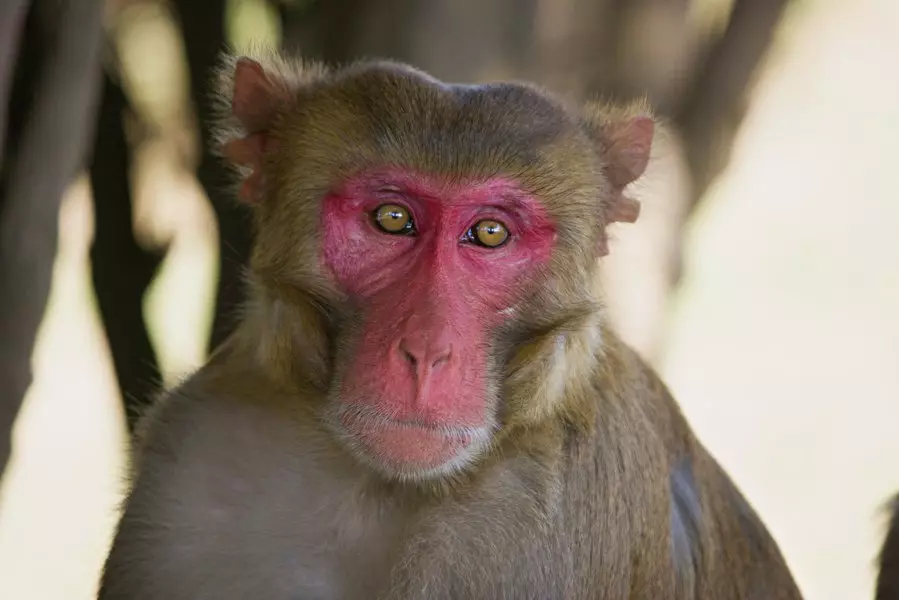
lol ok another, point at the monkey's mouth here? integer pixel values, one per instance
(409, 448)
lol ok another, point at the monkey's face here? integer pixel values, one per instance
(433, 267)
(452, 232)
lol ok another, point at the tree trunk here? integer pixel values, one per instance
(711, 111)
(12, 15)
(454, 41)
(53, 109)
(204, 38)
(121, 269)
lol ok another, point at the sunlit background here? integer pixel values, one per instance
(780, 339)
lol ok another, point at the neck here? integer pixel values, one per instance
(549, 376)
(287, 336)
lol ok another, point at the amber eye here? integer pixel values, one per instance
(490, 234)
(393, 218)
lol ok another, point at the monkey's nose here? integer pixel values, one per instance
(421, 353)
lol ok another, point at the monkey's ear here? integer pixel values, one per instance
(623, 135)
(256, 99)
(252, 94)
(257, 96)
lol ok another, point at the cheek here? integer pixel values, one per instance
(352, 250)
(499, 278)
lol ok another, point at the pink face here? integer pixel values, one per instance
(416, 395)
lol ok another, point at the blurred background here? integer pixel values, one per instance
(762, 279)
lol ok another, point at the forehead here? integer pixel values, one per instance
(399, 117)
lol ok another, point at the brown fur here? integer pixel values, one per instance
(594, 486)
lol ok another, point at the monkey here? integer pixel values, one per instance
(424, 398)
(887, 584)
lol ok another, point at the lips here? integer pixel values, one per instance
(406, 447)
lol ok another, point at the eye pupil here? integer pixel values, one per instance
(393, 218)
(490, 234)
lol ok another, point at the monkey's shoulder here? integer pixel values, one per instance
(631, 403)
(259, 504)
(716, 539)
(236, 428)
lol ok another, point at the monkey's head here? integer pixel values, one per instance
(427, 252)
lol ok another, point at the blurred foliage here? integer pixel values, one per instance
(255, 23)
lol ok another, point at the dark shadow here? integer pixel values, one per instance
(121, 269)
(203, 26)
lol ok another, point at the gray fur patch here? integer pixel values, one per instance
(686, 518)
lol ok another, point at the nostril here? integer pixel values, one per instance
(441, 356)
(410, 357)
(407, 353)
(423, 354)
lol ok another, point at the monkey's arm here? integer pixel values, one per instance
(720, 548)
(719, 543)
(740, 559)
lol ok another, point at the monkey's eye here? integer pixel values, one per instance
(394, 218)
(490, 234)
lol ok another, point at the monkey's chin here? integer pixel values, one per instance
(410, 451)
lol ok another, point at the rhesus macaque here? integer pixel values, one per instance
(424, 399)
(887, 587)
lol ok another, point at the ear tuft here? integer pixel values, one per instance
(257, 96)
(623, 136)
(629, 145)
(250, 94)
